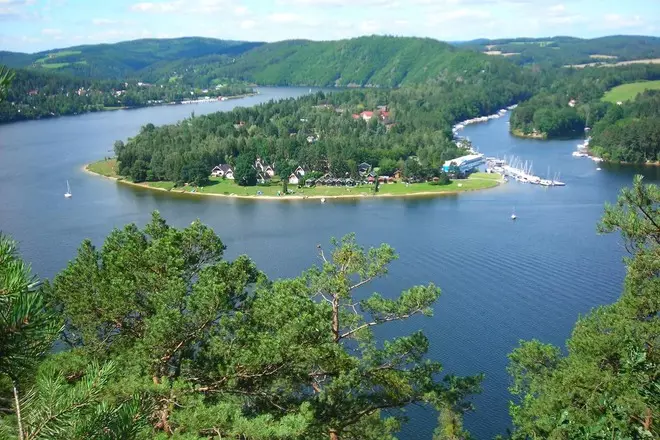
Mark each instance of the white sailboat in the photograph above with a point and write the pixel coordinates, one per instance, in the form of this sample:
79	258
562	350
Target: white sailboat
68	194
513	214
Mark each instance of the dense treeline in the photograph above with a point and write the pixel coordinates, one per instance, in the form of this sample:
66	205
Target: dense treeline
568	100
166	339
35	95
317	132
366	61
124	60
562	51
630	132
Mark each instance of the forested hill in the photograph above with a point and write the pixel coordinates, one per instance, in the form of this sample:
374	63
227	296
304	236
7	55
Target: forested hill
365	61
562	51
126	59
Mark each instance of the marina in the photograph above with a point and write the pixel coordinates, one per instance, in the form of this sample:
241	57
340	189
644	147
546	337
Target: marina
513	168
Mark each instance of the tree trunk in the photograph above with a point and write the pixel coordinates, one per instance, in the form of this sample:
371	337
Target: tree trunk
335	319
334	435
21	436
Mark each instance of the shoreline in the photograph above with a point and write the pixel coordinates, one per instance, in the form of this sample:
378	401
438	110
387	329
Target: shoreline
292	197
137	107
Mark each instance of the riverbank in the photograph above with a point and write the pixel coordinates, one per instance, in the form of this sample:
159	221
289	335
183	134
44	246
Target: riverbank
135	107
218	187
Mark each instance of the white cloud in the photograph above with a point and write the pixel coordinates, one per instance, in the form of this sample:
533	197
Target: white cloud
248	24
369	27
285	17
158	8
459	14
241	11
103	22
51	32
617	21
189	7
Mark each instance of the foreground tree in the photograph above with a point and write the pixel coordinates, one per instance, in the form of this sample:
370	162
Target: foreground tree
221	351
6	76
608	386
43	404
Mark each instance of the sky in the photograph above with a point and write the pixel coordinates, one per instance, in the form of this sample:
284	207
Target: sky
35	25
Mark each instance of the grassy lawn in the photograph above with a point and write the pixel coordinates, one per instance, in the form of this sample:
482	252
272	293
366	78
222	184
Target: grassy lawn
627	92
228	187
104	167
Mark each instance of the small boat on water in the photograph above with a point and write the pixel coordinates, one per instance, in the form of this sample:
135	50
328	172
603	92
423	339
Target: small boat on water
68	194
322	199
513	214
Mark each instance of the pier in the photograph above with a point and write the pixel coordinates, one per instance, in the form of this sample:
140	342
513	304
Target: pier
520	171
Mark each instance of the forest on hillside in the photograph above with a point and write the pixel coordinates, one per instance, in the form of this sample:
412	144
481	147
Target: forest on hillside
35	95
563	51
630	132
569	100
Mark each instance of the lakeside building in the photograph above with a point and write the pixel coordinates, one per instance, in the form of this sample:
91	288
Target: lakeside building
465	163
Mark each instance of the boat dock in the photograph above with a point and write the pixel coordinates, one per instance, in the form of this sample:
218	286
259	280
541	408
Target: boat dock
520	171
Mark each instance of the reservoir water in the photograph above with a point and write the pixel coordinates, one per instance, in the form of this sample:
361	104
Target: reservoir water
502	281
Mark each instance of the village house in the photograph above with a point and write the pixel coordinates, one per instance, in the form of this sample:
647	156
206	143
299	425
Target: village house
363	168
223	170
258	164
267	170
367	115
300	171
293	179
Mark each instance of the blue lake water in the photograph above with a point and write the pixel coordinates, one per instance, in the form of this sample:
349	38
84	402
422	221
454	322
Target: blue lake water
502	281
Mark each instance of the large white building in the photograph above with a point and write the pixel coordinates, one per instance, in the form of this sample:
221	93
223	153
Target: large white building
465	163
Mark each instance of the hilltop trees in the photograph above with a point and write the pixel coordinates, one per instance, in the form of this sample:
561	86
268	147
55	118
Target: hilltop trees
608	385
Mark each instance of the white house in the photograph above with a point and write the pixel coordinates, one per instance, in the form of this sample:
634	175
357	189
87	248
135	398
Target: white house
300	171
269	170
293	179
223	170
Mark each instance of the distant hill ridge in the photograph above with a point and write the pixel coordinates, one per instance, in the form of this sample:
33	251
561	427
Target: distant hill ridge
370	61
376	61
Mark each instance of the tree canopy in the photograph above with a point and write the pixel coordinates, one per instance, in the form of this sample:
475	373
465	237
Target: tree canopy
607	385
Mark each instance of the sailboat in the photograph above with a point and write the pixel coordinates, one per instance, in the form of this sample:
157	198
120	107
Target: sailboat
68	194
513	214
